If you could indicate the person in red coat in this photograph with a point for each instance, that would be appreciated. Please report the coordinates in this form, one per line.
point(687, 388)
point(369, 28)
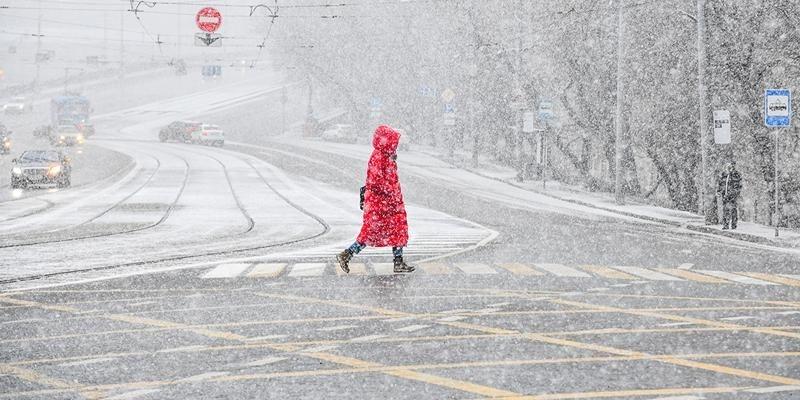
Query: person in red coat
point(385, 222)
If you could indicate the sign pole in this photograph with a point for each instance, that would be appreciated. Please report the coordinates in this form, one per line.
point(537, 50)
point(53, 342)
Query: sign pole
point(776, 214)
point(544, 155)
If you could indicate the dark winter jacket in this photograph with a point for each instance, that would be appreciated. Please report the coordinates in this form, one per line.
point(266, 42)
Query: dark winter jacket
point(729, 185)
point(385, 221)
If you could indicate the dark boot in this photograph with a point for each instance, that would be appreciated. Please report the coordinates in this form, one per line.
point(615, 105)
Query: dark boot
point(400, 266)
point(344, 260)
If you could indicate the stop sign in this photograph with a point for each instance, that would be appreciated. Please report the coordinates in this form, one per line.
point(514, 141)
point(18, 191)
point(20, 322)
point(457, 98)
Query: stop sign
point(208, 19)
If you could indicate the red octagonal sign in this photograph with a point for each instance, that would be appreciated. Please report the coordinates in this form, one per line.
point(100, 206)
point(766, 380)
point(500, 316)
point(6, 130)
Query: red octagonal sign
point(208, 19)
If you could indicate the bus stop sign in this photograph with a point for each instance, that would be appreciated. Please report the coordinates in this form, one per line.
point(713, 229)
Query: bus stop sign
point(778, 108)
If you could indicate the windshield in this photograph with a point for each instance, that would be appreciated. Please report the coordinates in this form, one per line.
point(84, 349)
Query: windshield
point(38, 156)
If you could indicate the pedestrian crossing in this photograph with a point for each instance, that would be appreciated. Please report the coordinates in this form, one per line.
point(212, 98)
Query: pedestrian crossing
point(299, 270)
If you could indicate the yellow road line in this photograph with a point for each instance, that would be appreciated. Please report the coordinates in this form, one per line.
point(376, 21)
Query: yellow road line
point(300, 299)
point(608, 272)
point(688, 275)
point(520, 269)
point(772, 278)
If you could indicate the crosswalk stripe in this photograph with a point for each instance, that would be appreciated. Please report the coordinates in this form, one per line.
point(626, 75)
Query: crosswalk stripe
point(355, 269)
point(383, 268)
point(608, 272)
point(225, 271)
point(773, 278)
point(307, 269)
point(476, 269)
point(691, 276)
point(267, 270)
point(648, 274)
point(736, 278)
point(435, 268)
point(520, 269)
point(562, 270)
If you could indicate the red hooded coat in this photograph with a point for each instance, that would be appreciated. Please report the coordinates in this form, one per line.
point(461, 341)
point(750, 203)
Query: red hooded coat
point(385, 222)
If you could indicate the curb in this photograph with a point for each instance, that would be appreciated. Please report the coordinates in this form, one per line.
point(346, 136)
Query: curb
point(697, 228)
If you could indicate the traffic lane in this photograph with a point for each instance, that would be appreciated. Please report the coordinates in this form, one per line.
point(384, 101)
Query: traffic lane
point(528, 234)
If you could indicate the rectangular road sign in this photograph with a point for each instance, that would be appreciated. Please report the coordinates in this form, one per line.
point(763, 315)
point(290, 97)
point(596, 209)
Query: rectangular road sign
point(722, 127)
point(778, 108)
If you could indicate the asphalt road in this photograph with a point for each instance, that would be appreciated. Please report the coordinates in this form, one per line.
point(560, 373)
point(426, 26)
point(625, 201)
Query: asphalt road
point(206, 273)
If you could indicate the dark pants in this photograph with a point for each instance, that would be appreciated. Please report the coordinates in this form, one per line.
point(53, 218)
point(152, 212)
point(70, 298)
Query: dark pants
point(730, 214)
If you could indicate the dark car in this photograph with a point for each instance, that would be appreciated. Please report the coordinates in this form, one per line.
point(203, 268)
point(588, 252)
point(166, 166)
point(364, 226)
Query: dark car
point(41, 168)
point(180, 131)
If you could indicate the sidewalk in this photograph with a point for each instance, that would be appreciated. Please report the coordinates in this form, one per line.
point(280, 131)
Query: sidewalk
point(746, 231)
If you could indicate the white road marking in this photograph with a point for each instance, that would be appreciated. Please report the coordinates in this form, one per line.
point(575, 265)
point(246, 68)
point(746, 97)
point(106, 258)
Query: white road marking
point(671, 324)
point(648, 274)
point(183, 348)
point(134, 394)
point(266, 270)
point(203, 376)
point(679, 398)
point(402, 319)
point(412, 328)
point(22, 320)
point(454, 318)
point(791, 276)
point(367, 338)
point(383, 269)
point(742, 318)
point(735, 278)
point(337, 328)
point(774, 389)
point(488, 310)
point(598, 289)
point(499, 304)
point(87, 362)
point(788, 312)
point(226, 271)
point(307, 269)
point(686, 266)
point(476, 269)
point(319, 349)
point(268, 337)
point(460, 310)
point(142, 303)
point(260, 363)
point(562, 270)
point(621, 285)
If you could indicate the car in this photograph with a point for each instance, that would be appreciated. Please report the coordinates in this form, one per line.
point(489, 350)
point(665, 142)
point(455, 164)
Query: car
point(5, 142)
point(41, 168)
point(180, 131)
point(67, 135)
point(17, 105)
point(340, 133)
point(208, 134)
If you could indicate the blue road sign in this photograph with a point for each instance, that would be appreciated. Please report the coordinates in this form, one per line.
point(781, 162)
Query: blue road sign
point(448, 108)
point(778, 108)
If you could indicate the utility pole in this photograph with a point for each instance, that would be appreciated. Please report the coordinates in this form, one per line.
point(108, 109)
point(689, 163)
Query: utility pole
point(38, 48)
point(706, 192)
point(619, 196)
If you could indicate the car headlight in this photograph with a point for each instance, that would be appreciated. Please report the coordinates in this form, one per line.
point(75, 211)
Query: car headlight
point(80, 138)
point(63, 137)
point(54, 170)
point(16, 171)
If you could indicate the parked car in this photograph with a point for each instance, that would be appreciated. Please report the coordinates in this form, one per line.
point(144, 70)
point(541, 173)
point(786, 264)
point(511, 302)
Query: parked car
point(17, 105)
point(180, 131)
point(41, 168)
point(208, 134)
point(340, 133)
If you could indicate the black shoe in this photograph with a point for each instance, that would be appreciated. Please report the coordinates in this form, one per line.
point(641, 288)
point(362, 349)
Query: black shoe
point(400, 266)
point(724, 228)
point(344, 260)
point(733, 227)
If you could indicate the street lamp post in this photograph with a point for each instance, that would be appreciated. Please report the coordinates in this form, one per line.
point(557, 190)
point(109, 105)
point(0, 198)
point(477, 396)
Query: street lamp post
point(706, 193)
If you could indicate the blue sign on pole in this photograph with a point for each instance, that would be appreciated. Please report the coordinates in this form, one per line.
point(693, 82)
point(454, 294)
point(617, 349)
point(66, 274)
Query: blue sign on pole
point(778, 108)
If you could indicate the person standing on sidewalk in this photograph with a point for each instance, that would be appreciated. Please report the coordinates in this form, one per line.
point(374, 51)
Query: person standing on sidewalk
point(385, 222)
point(729, 187)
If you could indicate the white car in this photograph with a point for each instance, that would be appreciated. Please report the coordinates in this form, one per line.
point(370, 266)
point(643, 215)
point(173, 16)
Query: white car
point(17, 105)
point(209, 134)
point(340, 133)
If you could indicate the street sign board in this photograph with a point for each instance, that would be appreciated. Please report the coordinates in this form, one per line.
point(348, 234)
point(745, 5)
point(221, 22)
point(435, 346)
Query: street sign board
point(208, 19)
point(208, 39)
point(722, 127)
point(545, 110)
point(527, 122)
point(778, 108)
point(210, 71)
point(448, 95)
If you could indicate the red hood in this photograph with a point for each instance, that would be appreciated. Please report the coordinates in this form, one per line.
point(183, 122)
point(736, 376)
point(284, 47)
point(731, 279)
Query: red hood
point(386, 139)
